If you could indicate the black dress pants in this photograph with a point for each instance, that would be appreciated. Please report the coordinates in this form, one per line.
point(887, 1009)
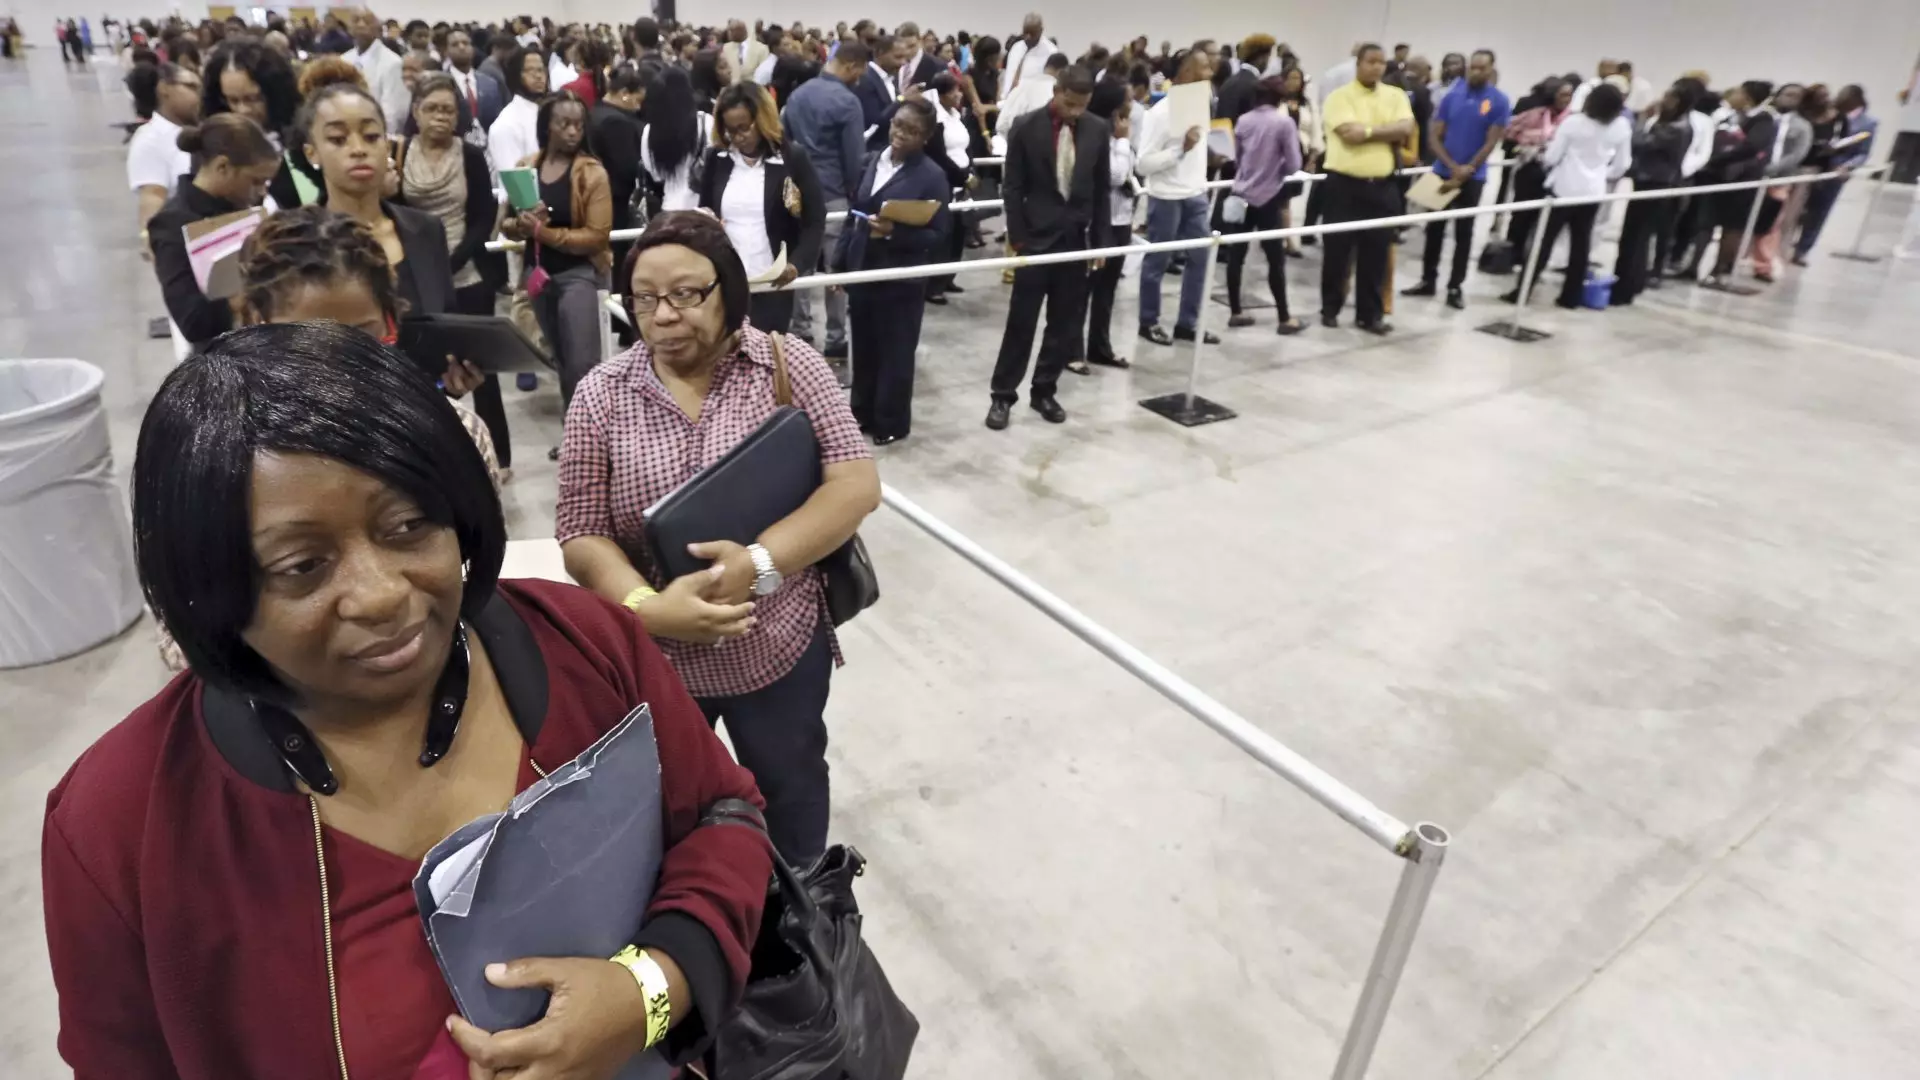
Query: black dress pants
point(1352, 198)
point(1462, 238)
point(1062, 289)
point(1529, 183)
point(780, 735)
point(1102, 285)
point(1578, 221)
point(477, 299)
point(1259, 219)
point(884, 323)
point(1642, 241)
point(771, 311)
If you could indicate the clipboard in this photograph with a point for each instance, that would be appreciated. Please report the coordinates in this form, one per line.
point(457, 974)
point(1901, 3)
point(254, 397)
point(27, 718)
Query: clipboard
point(1426, 194)
point(213, 250)
point(915, 212)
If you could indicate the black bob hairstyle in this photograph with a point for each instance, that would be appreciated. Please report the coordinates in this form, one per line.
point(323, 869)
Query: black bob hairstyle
point(294, 388)
point(704, 235)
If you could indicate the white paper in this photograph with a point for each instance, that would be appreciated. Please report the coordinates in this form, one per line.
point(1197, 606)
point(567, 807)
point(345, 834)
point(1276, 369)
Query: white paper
point(453, 869)
point(1189, 106)
point(773, 272)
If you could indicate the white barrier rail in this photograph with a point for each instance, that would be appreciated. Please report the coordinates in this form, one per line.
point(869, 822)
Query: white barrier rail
point(1423, 847)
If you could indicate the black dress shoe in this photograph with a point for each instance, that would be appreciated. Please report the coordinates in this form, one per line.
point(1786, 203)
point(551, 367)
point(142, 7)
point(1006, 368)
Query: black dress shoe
point(887, 440)
point(937, 298)
point(1425, 288)
point(1155, 335)
point(1109, 361)
point(1240, 320)
point(836, 350)
point(997, 415)
point(1049, 410)
point(1331, 322)
point(1456, 299)
point(955, 287)
point(1511, 296)
point(1185, 333)
point(1378, 327)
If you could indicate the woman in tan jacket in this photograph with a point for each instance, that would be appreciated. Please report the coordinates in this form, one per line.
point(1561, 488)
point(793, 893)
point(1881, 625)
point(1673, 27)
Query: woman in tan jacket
point(569, 257)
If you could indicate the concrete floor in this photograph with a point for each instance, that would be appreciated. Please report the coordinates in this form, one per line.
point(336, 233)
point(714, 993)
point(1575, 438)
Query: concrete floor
point(1628, 610)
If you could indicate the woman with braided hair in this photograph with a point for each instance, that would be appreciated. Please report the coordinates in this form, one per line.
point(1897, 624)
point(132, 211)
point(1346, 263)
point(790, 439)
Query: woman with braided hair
point(312, 263)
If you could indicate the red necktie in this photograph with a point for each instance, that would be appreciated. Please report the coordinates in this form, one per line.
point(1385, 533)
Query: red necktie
point(473, 103)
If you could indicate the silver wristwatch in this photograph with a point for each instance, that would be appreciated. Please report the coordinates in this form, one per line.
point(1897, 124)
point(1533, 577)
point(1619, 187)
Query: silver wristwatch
point(766, 577)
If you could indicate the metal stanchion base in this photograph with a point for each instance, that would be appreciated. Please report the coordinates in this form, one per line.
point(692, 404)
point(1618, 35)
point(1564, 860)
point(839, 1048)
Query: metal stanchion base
point(1525, 335)
point(1733, 288)
point(1187, 411)
point(158, 328)
point(1854, 256)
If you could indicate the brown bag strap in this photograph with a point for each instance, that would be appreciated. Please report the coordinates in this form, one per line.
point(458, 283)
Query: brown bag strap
point(782, 385)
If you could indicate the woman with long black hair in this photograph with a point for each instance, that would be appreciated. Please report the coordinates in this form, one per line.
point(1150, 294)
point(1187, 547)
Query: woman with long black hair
point(675, 130)
point(710, 74)
point(567, 237)
point(246, 77)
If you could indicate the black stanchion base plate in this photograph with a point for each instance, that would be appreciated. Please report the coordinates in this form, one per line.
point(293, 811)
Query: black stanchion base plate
point(1851, 257)
point(159, 328)
point(1187, 411)
point(1525, 335)
point(1733, 289)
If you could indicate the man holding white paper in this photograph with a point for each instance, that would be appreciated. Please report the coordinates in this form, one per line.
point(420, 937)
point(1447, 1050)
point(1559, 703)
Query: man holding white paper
point(1173, 162)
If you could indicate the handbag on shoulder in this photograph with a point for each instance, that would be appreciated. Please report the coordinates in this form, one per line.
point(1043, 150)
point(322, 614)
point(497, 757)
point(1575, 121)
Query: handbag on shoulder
point(852, 584)
point(816, 1005)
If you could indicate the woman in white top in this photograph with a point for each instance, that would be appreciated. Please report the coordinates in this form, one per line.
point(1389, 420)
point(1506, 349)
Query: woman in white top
point(673, 132)
point(1313, 142)
point(949, 96)
point(766, 194)
point(514, 136)
point(1104, 281)
point(1587, 153)
point(155, 162)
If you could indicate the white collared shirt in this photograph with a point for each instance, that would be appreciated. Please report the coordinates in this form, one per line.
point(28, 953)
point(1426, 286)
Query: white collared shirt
point(1585, 156)
point(764, 73)
point(954, 130)
point(884, 168)
point(743, 210)
point(153, 157)
point(513, 137)
point(893, 88)
point(559, 73)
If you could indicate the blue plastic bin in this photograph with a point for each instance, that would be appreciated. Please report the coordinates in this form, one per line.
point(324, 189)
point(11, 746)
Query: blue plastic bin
point(1599, 291)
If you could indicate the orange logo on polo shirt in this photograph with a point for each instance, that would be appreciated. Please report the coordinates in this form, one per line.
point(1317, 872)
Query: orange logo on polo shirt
point(1486, 106)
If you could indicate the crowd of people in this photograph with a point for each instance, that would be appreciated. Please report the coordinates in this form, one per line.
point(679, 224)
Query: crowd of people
point(317, 515)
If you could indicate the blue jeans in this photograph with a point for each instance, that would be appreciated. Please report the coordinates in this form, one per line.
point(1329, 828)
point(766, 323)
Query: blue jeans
point(779, 733)
point(1174, 219)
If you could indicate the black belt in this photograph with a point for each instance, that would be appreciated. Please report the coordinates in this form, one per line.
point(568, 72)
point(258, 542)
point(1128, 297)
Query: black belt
point(1365, 179)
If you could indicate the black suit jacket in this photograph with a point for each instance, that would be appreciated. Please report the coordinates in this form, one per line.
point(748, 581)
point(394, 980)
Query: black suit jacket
point(1236, 94)
point(923, 72)
point(1039, 220)
point(803, 234)
point(876, 97)
point(424, 241)
point(919, 178)
point(200, 319)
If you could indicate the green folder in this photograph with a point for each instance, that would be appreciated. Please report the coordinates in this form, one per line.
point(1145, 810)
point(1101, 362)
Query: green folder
point(523, 191)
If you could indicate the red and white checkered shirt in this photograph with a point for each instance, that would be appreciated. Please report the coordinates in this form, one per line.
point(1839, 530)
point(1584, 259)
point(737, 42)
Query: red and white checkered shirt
point(628, 444)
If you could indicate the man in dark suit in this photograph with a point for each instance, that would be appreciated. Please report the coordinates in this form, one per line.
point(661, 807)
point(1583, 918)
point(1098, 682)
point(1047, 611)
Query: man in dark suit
point(878, 88)
point(920, 66)
point(1056, 190)
point(481, 98)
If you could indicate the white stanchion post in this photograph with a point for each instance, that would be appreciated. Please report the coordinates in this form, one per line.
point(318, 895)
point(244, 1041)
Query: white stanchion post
point(1511, 329)
point(1866, 218)
point(1428, 850)
point(1728, 283)
point(1189, 409)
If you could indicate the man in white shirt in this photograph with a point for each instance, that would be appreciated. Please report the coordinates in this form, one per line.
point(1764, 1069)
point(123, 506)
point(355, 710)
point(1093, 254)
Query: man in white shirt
point(155, 162)
point(1032, 94)
point(386, 80)
point(1174, 166)
point(560, 69)
point(527, 35)
point(1027, 57)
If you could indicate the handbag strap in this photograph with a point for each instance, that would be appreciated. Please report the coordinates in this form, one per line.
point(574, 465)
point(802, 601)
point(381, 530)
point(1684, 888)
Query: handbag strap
point(782, 384)
point(742, 814)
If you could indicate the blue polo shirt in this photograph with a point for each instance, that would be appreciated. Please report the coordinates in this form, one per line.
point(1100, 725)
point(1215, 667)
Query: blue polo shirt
point(1468, 113)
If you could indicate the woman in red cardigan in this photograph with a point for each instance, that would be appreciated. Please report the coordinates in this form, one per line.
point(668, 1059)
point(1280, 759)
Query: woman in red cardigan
point(228, 872)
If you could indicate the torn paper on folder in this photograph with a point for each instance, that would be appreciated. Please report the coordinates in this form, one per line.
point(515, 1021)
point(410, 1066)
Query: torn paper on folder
point(566, 870)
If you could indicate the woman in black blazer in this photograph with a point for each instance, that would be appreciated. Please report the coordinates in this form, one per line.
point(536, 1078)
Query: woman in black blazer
point(884, 316)
point(765, 193)
point(236, 161)
point(348, 140)
point(448, 177)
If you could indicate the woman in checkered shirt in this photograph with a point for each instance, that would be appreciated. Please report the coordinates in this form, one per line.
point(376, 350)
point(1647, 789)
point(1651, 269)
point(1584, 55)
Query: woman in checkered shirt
point(749, 635)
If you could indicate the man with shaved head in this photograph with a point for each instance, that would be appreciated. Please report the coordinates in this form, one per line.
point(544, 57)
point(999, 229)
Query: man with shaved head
point(1027, 57)
point(384, 72)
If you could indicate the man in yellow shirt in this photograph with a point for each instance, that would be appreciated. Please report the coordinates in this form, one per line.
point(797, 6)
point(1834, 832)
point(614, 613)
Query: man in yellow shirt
point(1366, 121)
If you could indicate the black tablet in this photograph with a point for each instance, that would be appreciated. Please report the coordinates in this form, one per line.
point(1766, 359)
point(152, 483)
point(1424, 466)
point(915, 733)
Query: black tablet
point(490, 342)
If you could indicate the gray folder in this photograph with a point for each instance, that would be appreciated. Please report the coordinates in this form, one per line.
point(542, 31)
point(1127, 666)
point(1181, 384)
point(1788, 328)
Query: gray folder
point(566, 870)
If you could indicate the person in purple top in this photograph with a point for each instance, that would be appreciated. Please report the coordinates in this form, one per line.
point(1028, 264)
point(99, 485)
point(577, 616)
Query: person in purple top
point(1268, 145)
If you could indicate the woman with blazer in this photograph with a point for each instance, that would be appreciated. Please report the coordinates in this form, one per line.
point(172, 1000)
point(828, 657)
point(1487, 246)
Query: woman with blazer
point(348, 140)
point(884, 317)
point(766, 194)
point(236, 162)
point(569, 234)
point(447, 177)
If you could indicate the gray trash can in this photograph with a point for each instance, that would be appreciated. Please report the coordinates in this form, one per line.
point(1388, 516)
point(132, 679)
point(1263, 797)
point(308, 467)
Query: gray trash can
point(67, 578)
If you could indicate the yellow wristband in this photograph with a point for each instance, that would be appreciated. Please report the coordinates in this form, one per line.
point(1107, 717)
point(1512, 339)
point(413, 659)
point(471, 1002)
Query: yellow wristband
point(641, 592)
point(653, 987)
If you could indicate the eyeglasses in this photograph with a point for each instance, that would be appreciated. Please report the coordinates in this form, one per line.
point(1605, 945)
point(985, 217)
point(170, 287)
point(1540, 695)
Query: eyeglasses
point(681, 299)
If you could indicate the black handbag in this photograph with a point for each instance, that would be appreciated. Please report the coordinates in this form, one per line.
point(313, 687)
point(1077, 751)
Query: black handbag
point(1497, 257)
point(852, 584)
point(816, 1006)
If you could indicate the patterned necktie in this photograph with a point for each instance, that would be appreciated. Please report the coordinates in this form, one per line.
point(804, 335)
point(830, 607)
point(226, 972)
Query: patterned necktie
point(473, 102)
point(1063, 161)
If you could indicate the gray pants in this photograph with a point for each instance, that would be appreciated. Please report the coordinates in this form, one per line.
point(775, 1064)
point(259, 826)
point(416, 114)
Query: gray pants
point(836, 300)
point(568, 310)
